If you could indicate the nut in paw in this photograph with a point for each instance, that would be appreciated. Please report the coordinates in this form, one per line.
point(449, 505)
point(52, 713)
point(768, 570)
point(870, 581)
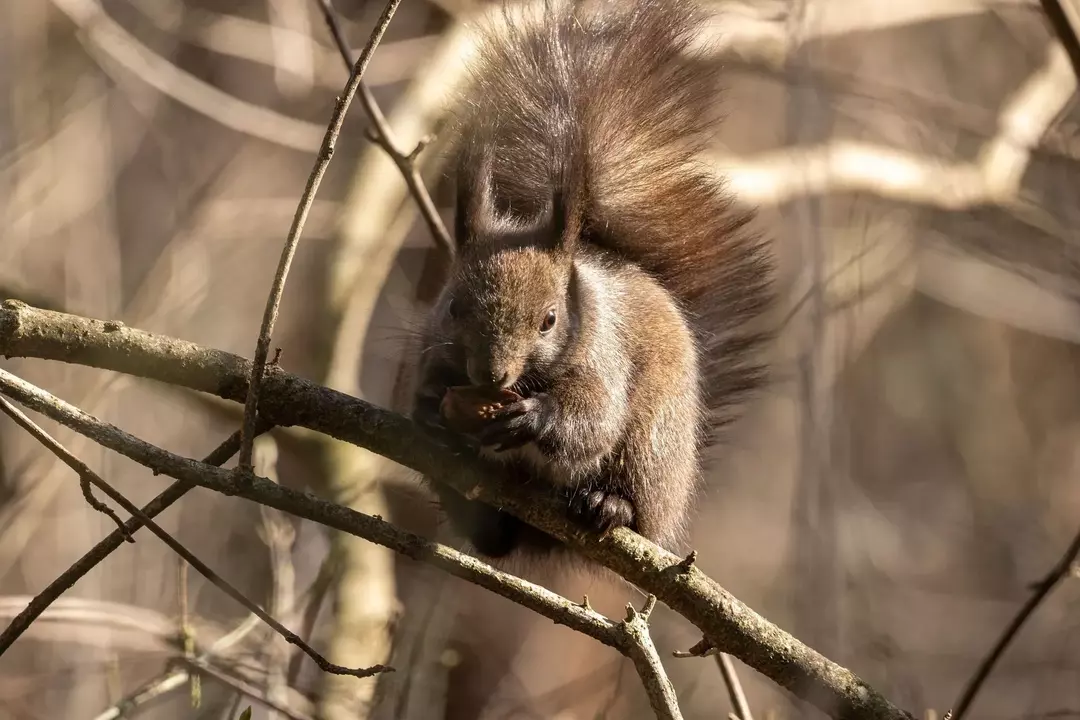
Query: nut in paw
point(468, 409)
point(513, 425)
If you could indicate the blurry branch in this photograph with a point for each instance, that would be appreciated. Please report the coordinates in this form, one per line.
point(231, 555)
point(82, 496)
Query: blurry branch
point(292, 48)
point(287, 399)
point(244, 688)
point(376, 212)
point(381, 134)
point(247, 39)
point(629, 637)
point(187, 633)
point(1064, 17)
point(758, 29)
point(101, 623)
point(148, 692)
point(279, 535)
point(1065, 566)
point(159, 687)
point(322, 162)
point(163, 685)
point(994, 176)
point(365, 588)
point(115, 539)
point(203, 662)
point(89, 475)
point(116, 44)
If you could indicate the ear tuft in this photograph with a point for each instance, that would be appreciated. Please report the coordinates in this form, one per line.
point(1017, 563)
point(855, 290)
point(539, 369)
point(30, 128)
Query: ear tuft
point(567, 213)
point(473, 202)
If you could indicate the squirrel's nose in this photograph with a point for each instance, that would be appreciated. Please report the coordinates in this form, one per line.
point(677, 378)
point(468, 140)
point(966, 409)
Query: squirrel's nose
point(487, 375)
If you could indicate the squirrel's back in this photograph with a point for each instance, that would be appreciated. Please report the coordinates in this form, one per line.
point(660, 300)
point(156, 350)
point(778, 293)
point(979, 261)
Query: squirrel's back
point(608, 101)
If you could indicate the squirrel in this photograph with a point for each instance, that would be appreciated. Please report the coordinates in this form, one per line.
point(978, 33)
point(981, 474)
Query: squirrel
point(601, 274)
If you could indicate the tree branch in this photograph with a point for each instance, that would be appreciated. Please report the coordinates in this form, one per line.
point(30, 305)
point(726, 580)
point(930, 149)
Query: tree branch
point(1064, 18)
point(384, 138)
point(114, 540)
point(1043, 588)
point(322, 162)
point(629, 637)
point(8, 382)
point(289, 400)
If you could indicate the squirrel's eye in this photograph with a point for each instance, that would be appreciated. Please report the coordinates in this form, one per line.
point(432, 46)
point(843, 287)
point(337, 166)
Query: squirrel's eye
point(548, 321)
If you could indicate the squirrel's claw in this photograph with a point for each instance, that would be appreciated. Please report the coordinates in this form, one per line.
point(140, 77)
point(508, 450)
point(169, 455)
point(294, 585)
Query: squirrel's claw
point(601, 511)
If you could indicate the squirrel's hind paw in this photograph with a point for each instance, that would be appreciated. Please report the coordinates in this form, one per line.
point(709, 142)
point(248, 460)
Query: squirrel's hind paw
point(601, 510)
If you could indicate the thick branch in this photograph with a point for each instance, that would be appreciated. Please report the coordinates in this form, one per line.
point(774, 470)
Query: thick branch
point(289, 400)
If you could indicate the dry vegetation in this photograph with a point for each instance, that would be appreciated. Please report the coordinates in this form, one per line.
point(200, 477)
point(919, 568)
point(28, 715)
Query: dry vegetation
point(893, 500)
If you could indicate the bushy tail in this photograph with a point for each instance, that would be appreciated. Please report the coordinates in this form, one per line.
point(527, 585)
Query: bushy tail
point(610, 100)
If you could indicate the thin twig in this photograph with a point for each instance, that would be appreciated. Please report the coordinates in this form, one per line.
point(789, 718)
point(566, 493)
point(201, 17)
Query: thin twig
point(273, 302)
point(1042, 589)
point(84, 480)
point(734, 687)
point(114, 540)
point(384, 138)
point(290, 400)
point(244, 688)
point(640, 649)
point(177, 547)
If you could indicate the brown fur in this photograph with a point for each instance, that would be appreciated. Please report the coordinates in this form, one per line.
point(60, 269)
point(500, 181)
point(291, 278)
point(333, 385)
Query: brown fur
point(580, 198)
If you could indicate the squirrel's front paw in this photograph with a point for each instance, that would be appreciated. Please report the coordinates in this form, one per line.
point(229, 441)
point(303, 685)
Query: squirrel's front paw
point(514, 425)
point(601, 510)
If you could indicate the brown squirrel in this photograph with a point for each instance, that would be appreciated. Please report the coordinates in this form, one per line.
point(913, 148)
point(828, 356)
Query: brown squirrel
point(601, 274)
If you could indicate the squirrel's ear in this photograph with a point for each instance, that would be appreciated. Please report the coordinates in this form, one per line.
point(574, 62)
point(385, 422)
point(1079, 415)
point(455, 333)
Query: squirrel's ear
point(567, 217)
point(473, 205)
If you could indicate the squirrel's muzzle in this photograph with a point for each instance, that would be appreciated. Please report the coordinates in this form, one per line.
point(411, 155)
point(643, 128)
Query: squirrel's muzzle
point(492, 373)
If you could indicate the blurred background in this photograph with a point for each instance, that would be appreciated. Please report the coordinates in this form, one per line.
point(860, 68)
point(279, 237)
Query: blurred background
point(909, 472)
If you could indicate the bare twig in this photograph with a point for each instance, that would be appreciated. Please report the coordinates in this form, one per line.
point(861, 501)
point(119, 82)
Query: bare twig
point(384, 138)
point(640, 649)
point(115, 539)
point(84, 472)
point(734, 687)
point(1043, 588)
point(243, 688)
point(743, 633)
point(326, 152)
point(182, 551)
point(279, 535)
